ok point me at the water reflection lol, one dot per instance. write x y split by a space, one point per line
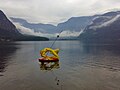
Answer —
6 50
101 48
104 56
49 65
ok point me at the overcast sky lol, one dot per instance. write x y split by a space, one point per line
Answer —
55 11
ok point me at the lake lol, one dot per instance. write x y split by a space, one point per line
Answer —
81 66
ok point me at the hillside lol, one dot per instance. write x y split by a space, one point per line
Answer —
7 29
103 29
75 23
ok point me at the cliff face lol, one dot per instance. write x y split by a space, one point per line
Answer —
8 31
104 29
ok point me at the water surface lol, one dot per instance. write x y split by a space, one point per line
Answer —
81 67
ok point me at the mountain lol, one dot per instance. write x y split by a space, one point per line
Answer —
104 28
73 24
8 31
39 27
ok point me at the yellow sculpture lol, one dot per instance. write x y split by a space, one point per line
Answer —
45 51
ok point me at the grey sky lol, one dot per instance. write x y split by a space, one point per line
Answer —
55 11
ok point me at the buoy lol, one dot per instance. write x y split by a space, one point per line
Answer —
45 57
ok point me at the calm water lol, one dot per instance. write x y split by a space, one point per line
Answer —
81 67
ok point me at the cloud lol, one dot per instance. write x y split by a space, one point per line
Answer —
69 34
101 6
53 11
28 31
24 30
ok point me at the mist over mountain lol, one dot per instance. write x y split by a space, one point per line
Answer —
39 27
71 28
103 29
97 28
